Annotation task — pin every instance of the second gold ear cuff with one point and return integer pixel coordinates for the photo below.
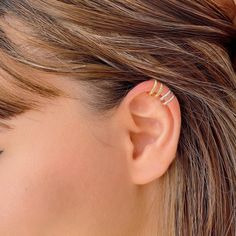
(163, 98)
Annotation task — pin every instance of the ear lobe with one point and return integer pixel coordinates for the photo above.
(156, 136)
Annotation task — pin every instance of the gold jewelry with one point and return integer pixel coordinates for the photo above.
(158, 93)
(153, 88)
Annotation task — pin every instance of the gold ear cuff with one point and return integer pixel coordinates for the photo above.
(163, 98)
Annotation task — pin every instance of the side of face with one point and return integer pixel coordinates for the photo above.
(64, 172)
(59, 175)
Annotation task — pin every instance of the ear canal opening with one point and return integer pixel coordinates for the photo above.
(141, 141)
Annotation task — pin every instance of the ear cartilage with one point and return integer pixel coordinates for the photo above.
(158, 93)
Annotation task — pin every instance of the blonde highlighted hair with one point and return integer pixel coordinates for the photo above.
(109, 46)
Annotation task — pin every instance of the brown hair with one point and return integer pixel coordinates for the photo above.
(109, 46)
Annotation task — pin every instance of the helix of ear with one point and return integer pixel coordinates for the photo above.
(164, 98)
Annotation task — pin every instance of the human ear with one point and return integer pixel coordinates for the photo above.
(153, 127)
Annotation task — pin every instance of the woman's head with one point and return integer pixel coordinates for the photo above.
(89, 153)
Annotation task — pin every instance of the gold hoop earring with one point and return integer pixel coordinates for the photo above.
(158, 93)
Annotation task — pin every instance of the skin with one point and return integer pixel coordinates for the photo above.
(64, 172)
(53, 181)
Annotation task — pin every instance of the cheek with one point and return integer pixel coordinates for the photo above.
(36, 191)
(58, 183)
